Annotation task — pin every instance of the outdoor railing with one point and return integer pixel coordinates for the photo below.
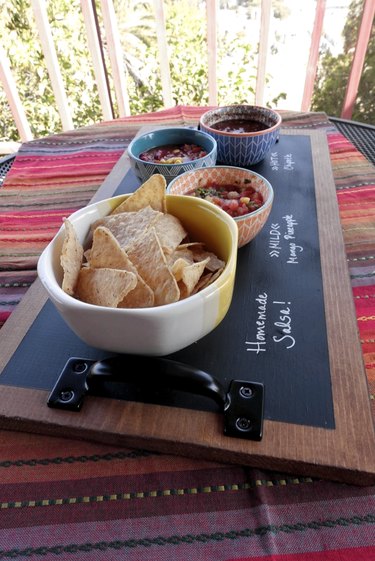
(115, 54)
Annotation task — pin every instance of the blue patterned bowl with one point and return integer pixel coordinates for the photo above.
(170, 136)
(242, 148)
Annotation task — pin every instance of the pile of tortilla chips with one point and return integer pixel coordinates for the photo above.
(140, 255)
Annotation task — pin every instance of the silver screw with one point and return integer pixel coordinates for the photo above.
(244, 424)
(79, 367)
(66, 395)
(246, 391)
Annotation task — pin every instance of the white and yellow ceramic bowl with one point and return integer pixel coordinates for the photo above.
(149, 331)
(249, 225)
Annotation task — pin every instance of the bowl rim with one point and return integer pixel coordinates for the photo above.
(264, 206)
(241, 134)
(184, 129)
(48, 278)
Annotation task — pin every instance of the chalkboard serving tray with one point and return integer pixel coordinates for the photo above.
(291, 326)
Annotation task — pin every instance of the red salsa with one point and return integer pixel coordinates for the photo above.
(173, 154)
(239, 126)
(236, 200)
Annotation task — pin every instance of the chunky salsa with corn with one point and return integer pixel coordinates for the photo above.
(173, 154)
(236, 200)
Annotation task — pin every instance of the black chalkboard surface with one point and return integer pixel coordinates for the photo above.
(275, 330)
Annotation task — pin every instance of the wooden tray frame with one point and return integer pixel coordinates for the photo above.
(345, 454)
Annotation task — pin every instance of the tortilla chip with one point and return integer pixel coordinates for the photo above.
(70, 258)
(86, 256)
(170, 232)
(204, 281)
(151, 193)
(104, 287)
(147, 256)
(214, 263)
(137, 257)
(190, 276)
(140, 297)
(180, 254)
(106, 252)
(216, 275)
(188, 245)
(177, 268)
(127, 226)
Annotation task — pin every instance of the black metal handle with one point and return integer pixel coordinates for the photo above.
(158, 371)
(242, 405)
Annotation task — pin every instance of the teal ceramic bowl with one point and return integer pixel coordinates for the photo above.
(170, 136)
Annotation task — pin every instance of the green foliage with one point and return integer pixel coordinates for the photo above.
(187, 52)
(186, 36)
(237, 80)
(136, 26)
(333, 74)
(20, 41)
(188, 61)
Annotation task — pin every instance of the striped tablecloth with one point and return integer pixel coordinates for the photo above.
(63, 499)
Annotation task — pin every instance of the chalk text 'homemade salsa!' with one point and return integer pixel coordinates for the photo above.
(236, 200)
(173, 154)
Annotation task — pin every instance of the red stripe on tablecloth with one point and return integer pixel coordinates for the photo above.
(364, 300)
(65, 166)
(225, 488)
(347, 554)
(355, 182)
(219, 536)
(29, 218)
(179, 112)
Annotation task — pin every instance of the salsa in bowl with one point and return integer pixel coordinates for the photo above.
(244, 194)
(244, 133)
(170, 151)
(173, 153)
(236, 200)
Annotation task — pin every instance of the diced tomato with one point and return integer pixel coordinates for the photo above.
(162, 154)
(236, 200)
